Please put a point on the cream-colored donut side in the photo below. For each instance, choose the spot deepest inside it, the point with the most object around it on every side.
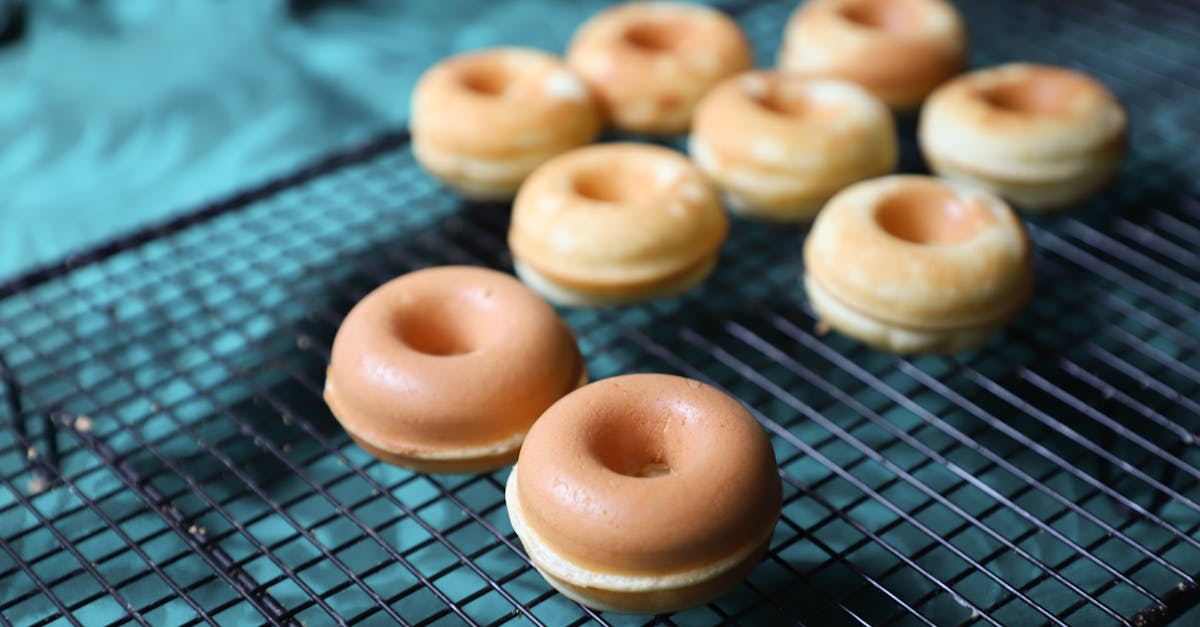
(482, 121)
(913, 264)
(651, 62)
(900, 50)
(1042, 136)
(615, 223)
(780, 145)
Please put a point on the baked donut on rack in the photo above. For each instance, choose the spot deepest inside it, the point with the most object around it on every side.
(616, 223)
(913, 264)
(651, 62)
(645, 493)
(780, 145)
(445, 369)
(898, 49)
(1043, 137)
(482, 121)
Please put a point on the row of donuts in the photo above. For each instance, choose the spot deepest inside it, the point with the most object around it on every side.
(641, 493)
(779, 143)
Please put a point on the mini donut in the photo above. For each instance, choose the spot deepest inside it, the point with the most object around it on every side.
(616, 223)
(482, 121)
(913, 264)
(445, 369)
(650, 62)
(644, 494)
(780, 145)
(1043, 137)
(898, 49)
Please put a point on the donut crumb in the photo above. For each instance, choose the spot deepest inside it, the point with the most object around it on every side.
(822, 327)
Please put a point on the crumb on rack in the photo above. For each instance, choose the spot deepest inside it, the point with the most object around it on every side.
(31, 453)
(83, 424)
(36, 485)
(822, 327)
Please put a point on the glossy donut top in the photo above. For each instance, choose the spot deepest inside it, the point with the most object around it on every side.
(1010, 115)
(449, 357)
(648, 474)
(898, 49)
(650, 62)
(503, 103)
(921, 252)
(790, 122)
(614, 215)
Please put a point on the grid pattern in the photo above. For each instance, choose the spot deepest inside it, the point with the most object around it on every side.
(166, 458)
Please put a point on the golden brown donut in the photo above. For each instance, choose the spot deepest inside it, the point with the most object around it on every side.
(445, 369)
(645, 493)
(898, 49)
(1043, 137)
(650, 62)
(914, 264)
(482, 121)
(780, 145)
(616, 223)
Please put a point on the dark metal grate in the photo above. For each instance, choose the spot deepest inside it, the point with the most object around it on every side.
(187, 471)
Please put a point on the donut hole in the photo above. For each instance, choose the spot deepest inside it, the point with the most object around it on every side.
(491, 79)
(656, 37)
(894, 17)
(634, 448)
(794, 103)
(930, 215)
(1039, 93)
(444, 329)
(616, 184)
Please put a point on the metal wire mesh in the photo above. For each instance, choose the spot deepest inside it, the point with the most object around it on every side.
(166, 456)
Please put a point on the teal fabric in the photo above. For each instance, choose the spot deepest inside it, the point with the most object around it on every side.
(116, 114)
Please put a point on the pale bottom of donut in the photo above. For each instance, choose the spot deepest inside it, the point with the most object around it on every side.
(569, 296)
(890, 337)
(630, 595)
(754, 208)
(1035, 195)
(474, 178)
(777, 196)
(450, 460)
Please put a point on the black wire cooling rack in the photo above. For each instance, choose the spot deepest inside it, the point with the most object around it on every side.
(166, 457)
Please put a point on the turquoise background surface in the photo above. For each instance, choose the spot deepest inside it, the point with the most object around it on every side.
(116, 114)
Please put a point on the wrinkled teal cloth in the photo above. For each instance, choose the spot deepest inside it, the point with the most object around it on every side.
(116, 114)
